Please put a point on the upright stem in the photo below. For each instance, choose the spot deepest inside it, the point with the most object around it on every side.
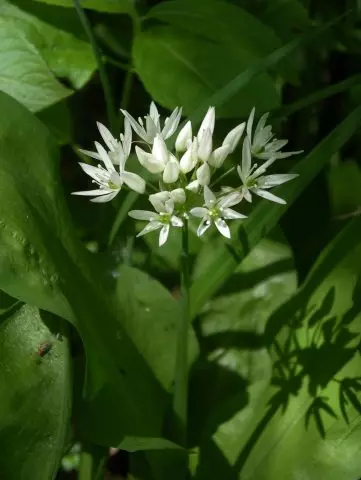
(85, 466)
(180, 399)
(112, 117)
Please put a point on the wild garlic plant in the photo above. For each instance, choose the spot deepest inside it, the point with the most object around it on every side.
(182, 177)
(183, 174)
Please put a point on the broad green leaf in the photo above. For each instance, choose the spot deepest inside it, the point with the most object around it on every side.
(42, 263)
(229, 25)
(108, 6)
(307, 420)
(64, 53)
(266, 214)
(25, 75)
(222, 22)
(231, 89)
(287, 17)
(234, 369)
(151, 314)
(312, 412)
(199, 68)
(35, 399)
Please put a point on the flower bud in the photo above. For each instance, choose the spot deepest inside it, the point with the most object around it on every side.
(204, 174)
(190, 157)
(205, 145)
(234, 136)
(184, 138)
(158, 200)
(160, 151)
(148, 161)
(171, 171)
(208, 122)
(178, 195)
(193, 186)
(218, 156)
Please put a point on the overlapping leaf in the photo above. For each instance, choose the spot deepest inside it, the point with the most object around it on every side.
(35, 396)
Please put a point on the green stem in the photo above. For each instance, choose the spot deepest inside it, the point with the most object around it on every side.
(112, 117)
(85, 466)
(225, 174)
(180, 399)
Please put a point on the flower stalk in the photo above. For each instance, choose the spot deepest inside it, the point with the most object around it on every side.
(180, 396)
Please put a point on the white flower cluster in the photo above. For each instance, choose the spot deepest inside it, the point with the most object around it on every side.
(184, 174)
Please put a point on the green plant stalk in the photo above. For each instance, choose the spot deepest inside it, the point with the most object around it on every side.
(111, 113)
(85, 466)
(180, 399)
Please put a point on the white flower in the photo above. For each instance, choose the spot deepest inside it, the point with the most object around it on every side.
(108, 179)
(208, 122)
(118, 150)
(233, 137)
(184, 138)
(189, 159)
(158, 200)
(162, 220)
(216, 211)
(156, 161)
(253, 180)
(263, 143)
(151, 127)
(171, 171)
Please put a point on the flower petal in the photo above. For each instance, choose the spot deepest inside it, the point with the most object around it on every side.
(154, 115)
(148, 161)
(105, 198)
(88, 153)
(134, 181)
(158, 200)
(94, 192)
(176, 221)
(160, 151)
(205, 145)
(190, 158)
(218, 156)
(199, 212)
(108, 138)
(230, 214)
(184, 138)
(171, 171)
(268, 196)
(233, 137)
(250, 124)
(139, 130)
(98, 174)
(143, 215)
(246, 158)
(163, 234)
(193, 186)
(150, 227)
(203, 174)
(222, 227)
(104, 157)
(208, 122)
(203, 226)
(209, 197)
(273, 180)
(230, 199)
(171, 123)
(178, 195)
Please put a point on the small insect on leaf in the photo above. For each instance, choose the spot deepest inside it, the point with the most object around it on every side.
(44, 348)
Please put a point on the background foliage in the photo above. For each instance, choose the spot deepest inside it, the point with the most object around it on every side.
(88, 315)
